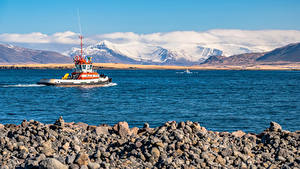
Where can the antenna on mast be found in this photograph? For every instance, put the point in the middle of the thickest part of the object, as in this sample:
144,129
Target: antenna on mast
79,25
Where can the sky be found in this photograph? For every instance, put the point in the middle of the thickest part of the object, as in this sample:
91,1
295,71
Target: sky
146,16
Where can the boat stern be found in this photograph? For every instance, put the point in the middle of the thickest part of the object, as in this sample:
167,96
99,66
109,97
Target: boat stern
47,82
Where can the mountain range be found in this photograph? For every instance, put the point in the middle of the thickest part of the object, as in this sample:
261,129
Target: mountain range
108,52
142,53
10,54
288,53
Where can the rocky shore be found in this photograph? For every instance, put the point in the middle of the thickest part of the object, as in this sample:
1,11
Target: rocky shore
173,145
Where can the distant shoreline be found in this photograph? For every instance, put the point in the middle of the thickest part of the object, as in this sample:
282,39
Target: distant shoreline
290,66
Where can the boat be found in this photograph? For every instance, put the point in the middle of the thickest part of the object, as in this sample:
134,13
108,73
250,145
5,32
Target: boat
187,71
83,74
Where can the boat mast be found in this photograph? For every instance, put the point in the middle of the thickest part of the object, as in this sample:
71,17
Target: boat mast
80,36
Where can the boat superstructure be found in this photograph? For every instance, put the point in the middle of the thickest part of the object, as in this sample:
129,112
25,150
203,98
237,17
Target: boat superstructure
83,74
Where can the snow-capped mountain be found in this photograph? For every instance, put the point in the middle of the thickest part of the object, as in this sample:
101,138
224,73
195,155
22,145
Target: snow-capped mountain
178,47
106,51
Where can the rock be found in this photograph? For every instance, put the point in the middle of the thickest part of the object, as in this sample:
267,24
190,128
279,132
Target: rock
23,148
1,126
122,128
76,148
172,145
52,163
81,125
101,130
280,158
97,154
74,166
32,164
134,131
70,159
4,167
84,167
220,160
155,152
91,128
238,133
66,146
47,148
92,165
82,159
41,157
146,125
275,126
60,123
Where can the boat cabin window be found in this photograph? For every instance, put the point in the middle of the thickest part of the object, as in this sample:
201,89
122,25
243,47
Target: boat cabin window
84,68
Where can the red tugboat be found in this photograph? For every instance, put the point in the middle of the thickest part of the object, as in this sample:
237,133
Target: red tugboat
83,75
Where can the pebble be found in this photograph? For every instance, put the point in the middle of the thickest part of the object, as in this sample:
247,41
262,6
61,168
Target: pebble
52,163
172,145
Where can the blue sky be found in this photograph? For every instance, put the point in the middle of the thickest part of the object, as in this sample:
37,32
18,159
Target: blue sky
146,16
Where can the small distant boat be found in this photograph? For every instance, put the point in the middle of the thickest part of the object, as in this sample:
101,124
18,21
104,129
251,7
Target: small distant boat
187,71
83,74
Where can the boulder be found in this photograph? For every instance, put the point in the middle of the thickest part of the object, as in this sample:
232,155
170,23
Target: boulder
52,163
60,123
275,126
46,148
82,159
122,128
92,165
1,126
238,133
101,130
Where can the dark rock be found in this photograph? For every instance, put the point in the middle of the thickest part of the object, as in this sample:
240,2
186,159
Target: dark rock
60,123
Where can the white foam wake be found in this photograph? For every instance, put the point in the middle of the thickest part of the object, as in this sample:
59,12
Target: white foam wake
24,85
110,84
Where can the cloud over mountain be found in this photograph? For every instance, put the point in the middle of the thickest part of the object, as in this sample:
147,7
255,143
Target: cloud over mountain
188,46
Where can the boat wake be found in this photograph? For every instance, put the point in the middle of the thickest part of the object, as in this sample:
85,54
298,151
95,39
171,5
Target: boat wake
23,85
110,85
186,72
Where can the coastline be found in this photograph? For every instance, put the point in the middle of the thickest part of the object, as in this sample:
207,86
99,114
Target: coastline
270,66
72,145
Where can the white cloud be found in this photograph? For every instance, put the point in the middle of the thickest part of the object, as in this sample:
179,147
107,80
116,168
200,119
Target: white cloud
67,37
231,41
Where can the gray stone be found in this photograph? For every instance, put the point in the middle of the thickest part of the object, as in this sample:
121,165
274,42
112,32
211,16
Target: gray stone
92,165
101,130
84,167
52,163
47,148
70,159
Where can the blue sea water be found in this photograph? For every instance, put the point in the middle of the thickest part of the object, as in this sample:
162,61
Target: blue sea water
219,100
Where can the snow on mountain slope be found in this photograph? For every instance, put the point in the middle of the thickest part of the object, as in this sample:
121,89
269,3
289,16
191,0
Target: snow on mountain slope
146,53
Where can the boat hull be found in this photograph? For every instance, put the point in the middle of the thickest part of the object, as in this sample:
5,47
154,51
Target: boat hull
75,82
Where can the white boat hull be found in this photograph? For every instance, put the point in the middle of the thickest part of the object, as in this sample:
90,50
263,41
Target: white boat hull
74,82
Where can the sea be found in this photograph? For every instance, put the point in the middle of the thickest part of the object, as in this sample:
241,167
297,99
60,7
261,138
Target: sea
220,100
